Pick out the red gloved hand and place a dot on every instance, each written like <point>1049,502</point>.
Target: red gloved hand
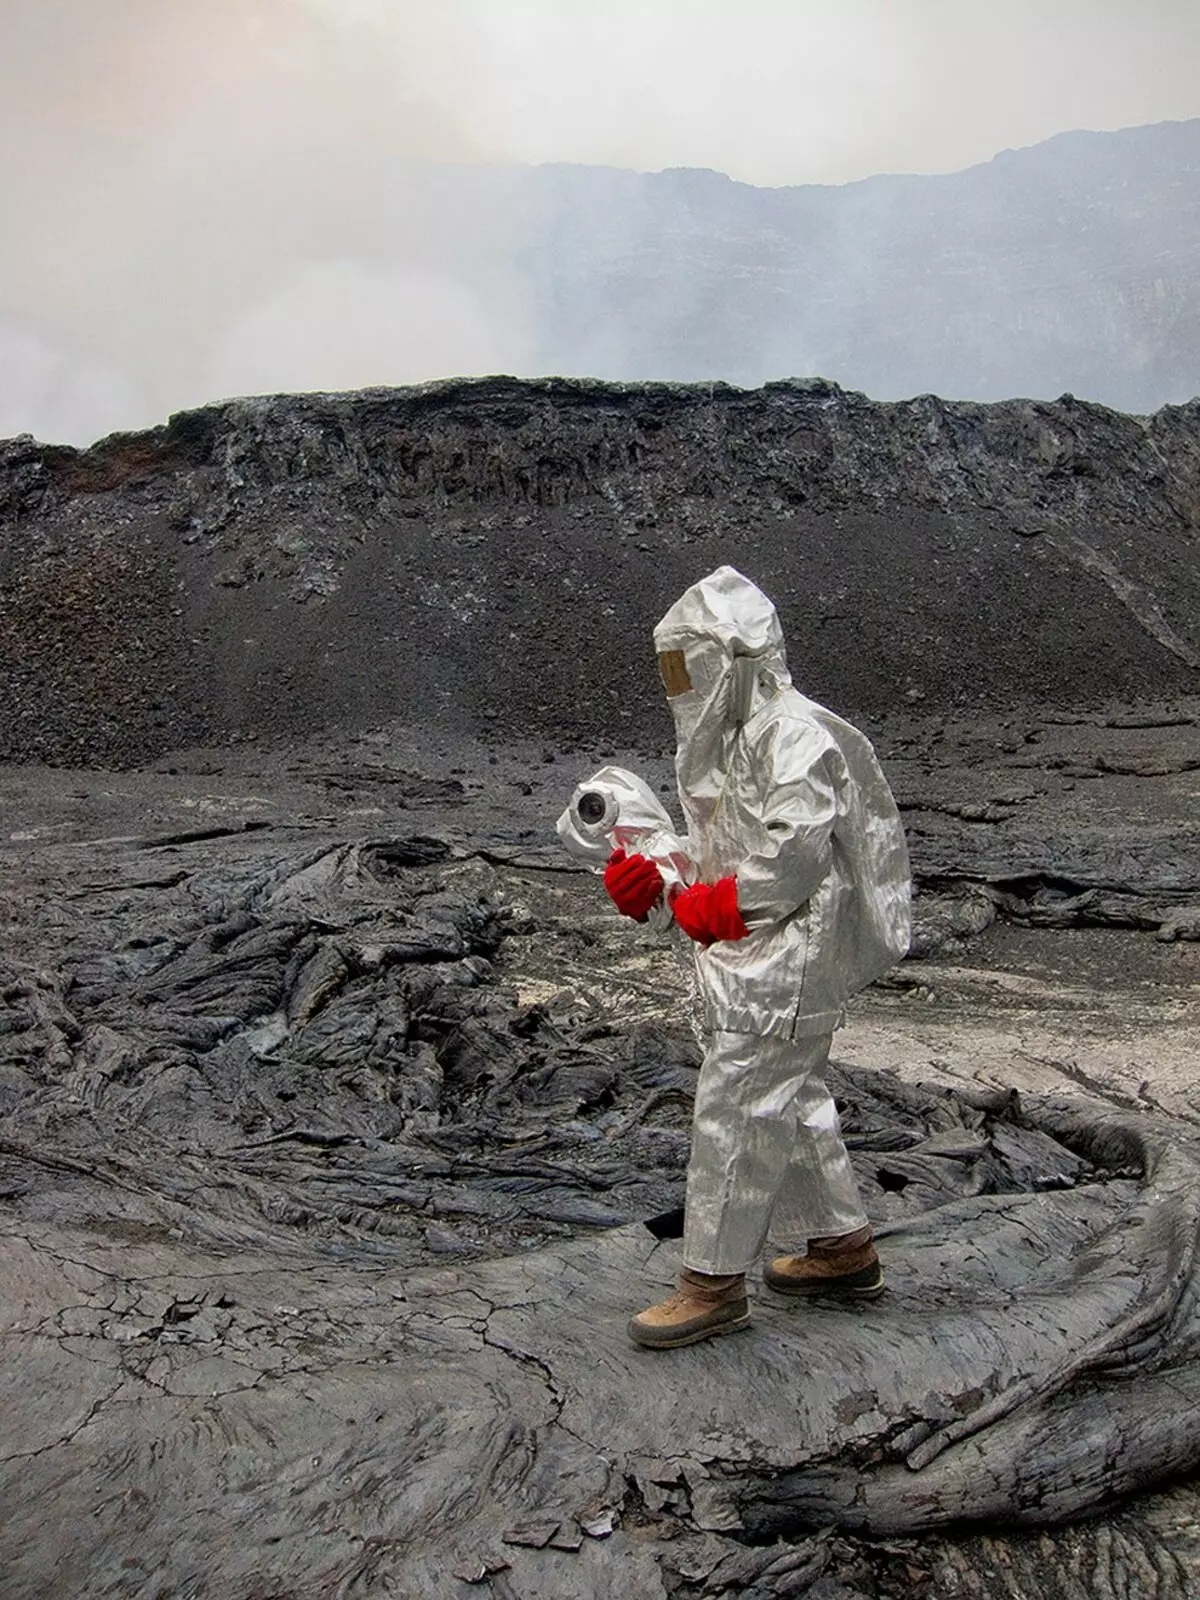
<point>709,911</point>
<point>633,883</point>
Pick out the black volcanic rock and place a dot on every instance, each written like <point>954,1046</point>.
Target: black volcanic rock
<point>317,1244</point>
<point>492,554</point>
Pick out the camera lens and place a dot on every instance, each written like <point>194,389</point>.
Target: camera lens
<point>591,807</point>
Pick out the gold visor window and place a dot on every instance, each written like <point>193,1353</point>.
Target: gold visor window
<point>672,666</point>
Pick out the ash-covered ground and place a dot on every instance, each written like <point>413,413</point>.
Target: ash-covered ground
<point>343,1123</point>
<point>337,1103</point>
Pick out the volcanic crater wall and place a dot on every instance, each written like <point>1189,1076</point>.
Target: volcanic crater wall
<point>493,554</point>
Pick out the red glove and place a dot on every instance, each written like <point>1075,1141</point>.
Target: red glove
<point>633,884</point>
<point>709,911</point>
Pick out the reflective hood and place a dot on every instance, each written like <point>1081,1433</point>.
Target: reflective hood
<point>729,634</point>
<point>725,610</point>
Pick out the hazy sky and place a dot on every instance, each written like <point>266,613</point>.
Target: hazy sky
<point>188,193</point>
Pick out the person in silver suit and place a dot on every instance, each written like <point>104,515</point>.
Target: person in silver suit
<point>801,897</point>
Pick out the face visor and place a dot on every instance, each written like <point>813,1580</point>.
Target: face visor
<point>672,669</point>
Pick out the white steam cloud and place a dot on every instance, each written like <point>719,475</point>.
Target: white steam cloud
<point>211,196</point>
<point>339,325</point>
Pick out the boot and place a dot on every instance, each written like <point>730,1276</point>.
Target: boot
<point>700,1308</point>
<point>846,1266</point>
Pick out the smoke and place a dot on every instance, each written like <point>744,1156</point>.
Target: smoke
<point>339,325</point>
<point>47,393</point>
<point>217,196</point>
<point>210,196</point>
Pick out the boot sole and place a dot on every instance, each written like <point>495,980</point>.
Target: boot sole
<point>695,1337</point>
<point>828,1291</point>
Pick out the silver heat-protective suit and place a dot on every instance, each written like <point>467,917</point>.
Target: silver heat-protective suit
<point>790,800</point>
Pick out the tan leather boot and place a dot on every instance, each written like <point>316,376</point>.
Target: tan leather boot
<point>700,1308</point>
<point>847,1266</point>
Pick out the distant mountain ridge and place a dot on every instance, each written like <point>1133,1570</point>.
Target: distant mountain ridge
<point>1069,266</point>
<point>1072,266</point>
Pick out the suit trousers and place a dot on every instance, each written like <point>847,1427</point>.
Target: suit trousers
<point>767,1153</point>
